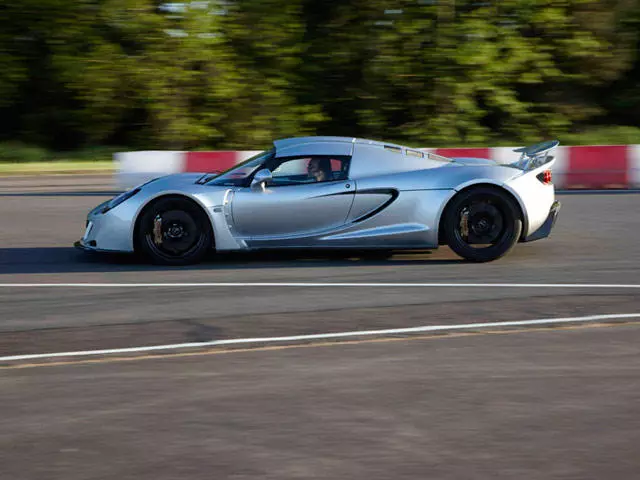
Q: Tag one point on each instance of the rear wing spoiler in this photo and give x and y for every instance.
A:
(535, 156)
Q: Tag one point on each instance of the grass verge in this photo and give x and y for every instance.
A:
(57, 168)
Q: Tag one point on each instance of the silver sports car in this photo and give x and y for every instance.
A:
(334, 192)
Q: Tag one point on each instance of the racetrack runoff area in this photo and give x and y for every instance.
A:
(548, 404)
(534, 401)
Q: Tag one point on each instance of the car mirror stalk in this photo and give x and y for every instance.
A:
(261, 179)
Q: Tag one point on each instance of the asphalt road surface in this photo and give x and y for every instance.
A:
(558, 402)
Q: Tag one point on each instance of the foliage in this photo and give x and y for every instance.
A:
(16, 152)
(239, 74)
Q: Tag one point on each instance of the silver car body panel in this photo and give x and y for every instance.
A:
(302, 209)
(394, 197)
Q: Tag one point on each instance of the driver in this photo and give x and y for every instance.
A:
(319, 169)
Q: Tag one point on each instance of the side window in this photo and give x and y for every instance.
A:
(314, 169)
(290, 171)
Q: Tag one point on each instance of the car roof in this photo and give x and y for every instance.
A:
(286, 143)
(289, 142)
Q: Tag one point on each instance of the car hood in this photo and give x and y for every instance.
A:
(189, 177)
(181, 182)
(176, 180)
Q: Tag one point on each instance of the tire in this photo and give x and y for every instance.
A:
(174, 231)
(482, 224)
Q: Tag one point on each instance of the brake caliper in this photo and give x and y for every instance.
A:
(464, 223)
(157, 230)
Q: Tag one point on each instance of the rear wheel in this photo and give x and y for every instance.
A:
(482, 224)
(174, 231)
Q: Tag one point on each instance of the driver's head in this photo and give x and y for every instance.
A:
(320, 169)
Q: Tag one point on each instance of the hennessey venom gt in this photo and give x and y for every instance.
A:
(334, 192)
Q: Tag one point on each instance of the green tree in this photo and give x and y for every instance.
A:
(36, 106)
(267, 39)
(115, 70)
(169, 80)
(238, 74)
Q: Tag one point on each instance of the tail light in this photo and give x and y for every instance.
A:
(544, 177)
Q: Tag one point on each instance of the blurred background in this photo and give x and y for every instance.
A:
(82, 79)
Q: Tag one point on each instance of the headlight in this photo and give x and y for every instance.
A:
(123, 197)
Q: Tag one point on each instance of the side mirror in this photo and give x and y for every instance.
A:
(260, 179)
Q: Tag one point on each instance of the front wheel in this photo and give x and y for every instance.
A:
(174, 231)
(482, 224)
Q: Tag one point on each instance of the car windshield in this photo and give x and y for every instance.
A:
(237, 176)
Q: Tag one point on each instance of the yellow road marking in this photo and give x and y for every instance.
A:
(220, 351)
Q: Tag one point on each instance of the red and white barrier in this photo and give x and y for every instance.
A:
(577, 167)
(134, 168)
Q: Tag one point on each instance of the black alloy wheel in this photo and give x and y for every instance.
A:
(174, 231)
(482, 224)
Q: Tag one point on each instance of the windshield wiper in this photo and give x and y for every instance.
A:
(207, 177)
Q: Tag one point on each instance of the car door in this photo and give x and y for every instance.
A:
(293, 204)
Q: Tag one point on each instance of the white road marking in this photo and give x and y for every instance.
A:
(323, 336)
(318, 285)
